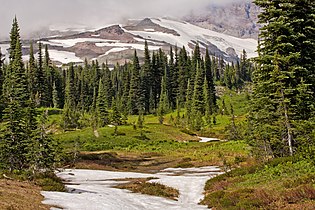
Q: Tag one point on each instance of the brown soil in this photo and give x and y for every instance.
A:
(16, 195)
(148, 163)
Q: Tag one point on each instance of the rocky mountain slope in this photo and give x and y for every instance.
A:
(117, 43)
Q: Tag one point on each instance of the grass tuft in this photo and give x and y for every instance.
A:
(148, 188)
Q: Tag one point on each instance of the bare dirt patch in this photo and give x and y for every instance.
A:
(20, 195)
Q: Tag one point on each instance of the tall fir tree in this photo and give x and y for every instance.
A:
(101, 106)
(198, 101)
(70, 116)
(280, 73)
(31, 72)
(2, 75)
(147, 78)
(212, 101)
(15, 140)
(39, 80)
(49, 79)
(134, 86)
(183, 76)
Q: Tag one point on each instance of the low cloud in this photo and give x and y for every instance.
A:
(34, 14)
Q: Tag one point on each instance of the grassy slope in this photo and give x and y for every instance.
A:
(280, 184)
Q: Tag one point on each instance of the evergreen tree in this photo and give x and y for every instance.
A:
(164, 102)
(196, 60)
(14, 38)
(31, 73)
(210, 83)
(183, 75)
(198, 101)
(70, 115)
(126, 86)
(39, 80)
(189, 101)
(101, 106)
(146, 78)
(134, 86)
(1, 86)
(173, 83)
(14, 142)
(107, 86)
(207, 101)
(49, 79)
(279, 75)
(116, 118)
(44, 150)
(55, 97)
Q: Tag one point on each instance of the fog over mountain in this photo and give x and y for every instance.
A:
(34, 15)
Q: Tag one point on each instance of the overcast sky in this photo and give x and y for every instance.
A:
(35, 14)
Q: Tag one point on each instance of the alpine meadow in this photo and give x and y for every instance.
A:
(214, 108)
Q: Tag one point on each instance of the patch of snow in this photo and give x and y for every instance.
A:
(96, 35)
(5, 51)
(64, 56)
(116, 49)
(93, 189)
(72, 42)
(205, 139)
(52, 43)
(149, 29)
(139, 39)
(126, 45)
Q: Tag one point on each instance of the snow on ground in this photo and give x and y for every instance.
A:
(149, 29)
(205, 139)
(129, 45)
(189, 32)
(72, 42)
(5, 50)
(116, 49)
(64, 56)
(93, 189)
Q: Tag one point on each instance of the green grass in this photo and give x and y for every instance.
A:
(286, 183)
(161, 140)
(155, 189)
(164, 140)
(48, 181)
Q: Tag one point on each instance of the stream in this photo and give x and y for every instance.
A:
(93, 190)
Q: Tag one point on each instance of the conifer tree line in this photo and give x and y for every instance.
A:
(282, 112)
(161, 84)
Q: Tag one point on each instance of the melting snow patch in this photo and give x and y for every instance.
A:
(64, 56)
(93, 189)
(149, 29)
(205, 139)
(116, 49)
(126, 45)
(72, 42)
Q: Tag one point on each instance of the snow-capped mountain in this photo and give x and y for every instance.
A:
(117, 43)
